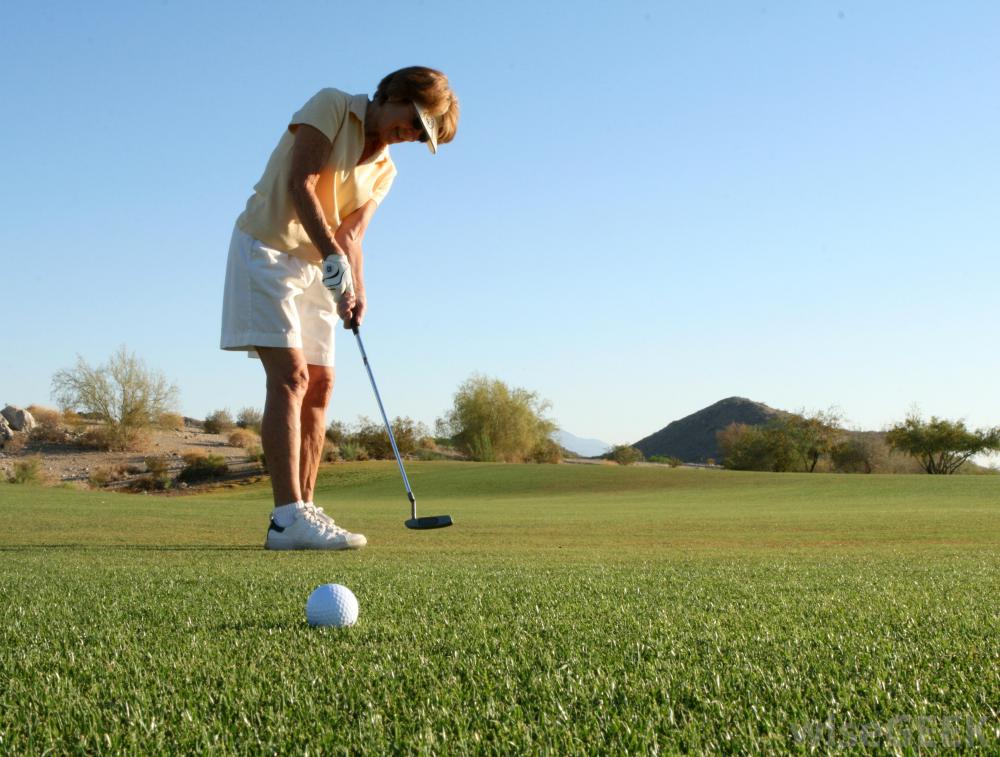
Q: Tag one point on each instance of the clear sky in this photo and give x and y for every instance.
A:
(648, 207)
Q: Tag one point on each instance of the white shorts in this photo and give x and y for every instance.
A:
(273, 299)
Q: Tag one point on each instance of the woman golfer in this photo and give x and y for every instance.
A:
(296, 266)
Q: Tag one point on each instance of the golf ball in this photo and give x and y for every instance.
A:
(332, 605)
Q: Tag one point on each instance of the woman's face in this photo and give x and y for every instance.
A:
(398, 122)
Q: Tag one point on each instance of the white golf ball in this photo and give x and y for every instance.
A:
(332, 605)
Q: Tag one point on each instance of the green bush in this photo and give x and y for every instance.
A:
(200, 467)
(480, 447)
(492, 421)
(219, 422)
(351, 451)
(375, 440)
(759, 448)
(623, 454)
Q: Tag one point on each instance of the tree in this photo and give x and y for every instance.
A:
(941, 446)
(492, 421)
(810, 435)
(123, 393)
(853, 456)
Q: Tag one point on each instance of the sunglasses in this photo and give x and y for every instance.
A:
(418, 125)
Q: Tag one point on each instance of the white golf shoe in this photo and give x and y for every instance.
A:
(312, 529)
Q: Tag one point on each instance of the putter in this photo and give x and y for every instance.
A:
(428, 521)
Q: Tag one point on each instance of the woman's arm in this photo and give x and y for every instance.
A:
(309, 155)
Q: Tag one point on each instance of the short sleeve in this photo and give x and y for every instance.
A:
(326, 111)
(383, 184)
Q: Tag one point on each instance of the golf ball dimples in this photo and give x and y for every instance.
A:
(332, 605)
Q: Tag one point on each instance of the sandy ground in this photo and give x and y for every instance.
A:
(67, 463)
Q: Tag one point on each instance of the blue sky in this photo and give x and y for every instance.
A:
(648, 207)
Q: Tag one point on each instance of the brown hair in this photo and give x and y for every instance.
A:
(428, 87)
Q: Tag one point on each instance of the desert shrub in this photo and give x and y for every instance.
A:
(243, 438)
(157, 465)
(99, 477)
(157, 477)
(492, 421)
(351, 451)
(105, 475)
(123, 393)
(49, 426)
(331, 452)
(43, 433)
(28, 471)
(623, 454)
(171, 421)
(427, 442)
(219, 422)
(375, 439)
(249, 418)
(199, 467)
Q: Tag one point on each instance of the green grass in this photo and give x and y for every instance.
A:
(570, 609)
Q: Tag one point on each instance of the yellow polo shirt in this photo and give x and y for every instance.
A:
(343, 185)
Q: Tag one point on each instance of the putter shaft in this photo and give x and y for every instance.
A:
(388, 426)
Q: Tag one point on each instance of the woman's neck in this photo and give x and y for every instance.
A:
(373, 145)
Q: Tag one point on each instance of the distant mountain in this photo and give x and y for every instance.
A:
(692, 438)
(582, 447)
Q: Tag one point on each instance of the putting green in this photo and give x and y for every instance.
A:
(571, 608)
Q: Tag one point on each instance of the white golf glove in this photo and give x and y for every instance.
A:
(337, 276)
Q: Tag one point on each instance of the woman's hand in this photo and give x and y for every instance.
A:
(351, 309)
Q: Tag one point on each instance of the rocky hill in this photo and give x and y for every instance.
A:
(692, 438)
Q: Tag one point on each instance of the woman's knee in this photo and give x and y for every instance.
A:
(320, 386)
(291, 381)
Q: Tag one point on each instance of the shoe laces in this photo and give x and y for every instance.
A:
(316, 515)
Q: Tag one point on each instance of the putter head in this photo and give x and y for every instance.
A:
(429, 521)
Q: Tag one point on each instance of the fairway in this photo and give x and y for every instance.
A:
(572, 608)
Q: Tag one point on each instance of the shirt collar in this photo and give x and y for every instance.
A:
(358, 106)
